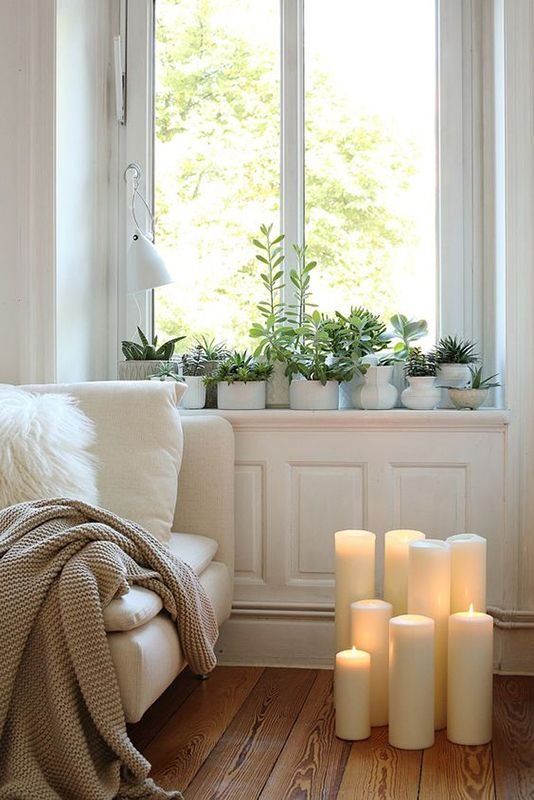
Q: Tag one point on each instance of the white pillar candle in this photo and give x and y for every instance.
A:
(396, 568)
(429, 593)
(352, 694)
(470, 691)
(468, 572)
(355, 577)
(369, 621)
(411, 682)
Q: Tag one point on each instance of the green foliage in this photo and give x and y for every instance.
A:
(149, 351)
(419, 364)
(240, 367)
(210, 349)
(455, 350)
(194, 361)
(356, 335)
(167, 371)
(478, 382)
(308, 352)
(406, 331)
(271, 310)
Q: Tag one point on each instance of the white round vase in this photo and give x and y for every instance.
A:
(455, 375)
(377, 391)
(422, 393)
(468, 398)
(313, 395)
(241, 396)
(195, 397)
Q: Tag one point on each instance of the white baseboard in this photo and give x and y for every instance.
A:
(279, 636)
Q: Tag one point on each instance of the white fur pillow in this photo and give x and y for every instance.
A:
(44, 448)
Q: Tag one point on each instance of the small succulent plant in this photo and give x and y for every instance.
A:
(210, 349)
(167, 371)
(149, 351)
(194, 361)
(478, 382)
(454, 350)
(240, 367)
(419, 364)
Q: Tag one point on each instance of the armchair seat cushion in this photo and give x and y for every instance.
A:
(141, 605)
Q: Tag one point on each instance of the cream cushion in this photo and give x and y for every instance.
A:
(140, 605)
(139, 446)
(148, 659)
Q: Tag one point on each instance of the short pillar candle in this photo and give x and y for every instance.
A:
(396, 567)
(411, 682)
(352, 694)
(470, 676)
(370, 632)
(468, 572)
(355, 577)
(429, 593)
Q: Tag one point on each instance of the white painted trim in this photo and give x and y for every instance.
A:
(349, 419)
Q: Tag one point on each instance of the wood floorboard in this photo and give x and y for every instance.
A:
(240, 764)
(311, 765)
(185, 742)
(250, 733)
(377, 771)
(513, 738)
(453, 772)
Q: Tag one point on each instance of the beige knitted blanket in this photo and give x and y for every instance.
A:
(62, 727)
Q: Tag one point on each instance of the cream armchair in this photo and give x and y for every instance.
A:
(132, 421)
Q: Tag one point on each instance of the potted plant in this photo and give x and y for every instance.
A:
(453, 357)
(166, 372)
(475, 393)
(422, 392)
(404, 332)
(213, 353)
(359, 336)
(241, 382)
(268, 330)
(193, 371)
(144, 357)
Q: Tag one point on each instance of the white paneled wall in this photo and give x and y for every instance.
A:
(302, 475)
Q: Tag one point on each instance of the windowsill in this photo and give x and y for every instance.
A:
(399, 418)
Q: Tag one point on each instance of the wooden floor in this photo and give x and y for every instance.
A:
(249, 732)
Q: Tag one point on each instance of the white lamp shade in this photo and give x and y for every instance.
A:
(146, 267)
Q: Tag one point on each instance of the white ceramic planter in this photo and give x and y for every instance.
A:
(138, 370)
(422, 393)
(278, 387)
(241, 396)
(468, 398)
(377, 391)
(456, 375)
(313, 395)
(195, 396)
(346, 389)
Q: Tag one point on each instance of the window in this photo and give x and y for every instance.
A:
(322, 119)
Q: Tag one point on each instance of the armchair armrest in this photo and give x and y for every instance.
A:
(205, 503)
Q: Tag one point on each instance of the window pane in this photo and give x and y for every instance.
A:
(370, 154)
(217, 157)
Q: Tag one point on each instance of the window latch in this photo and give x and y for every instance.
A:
(120, 81)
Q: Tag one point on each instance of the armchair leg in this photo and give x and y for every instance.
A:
(202, 677)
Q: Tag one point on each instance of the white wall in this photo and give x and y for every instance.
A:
(85, 133)
(58, 142)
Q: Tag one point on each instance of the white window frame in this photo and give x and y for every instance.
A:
(465, 264)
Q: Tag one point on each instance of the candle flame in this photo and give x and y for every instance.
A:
(471, 609)
(353, 648)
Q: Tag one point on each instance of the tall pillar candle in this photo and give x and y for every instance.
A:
(370, 632)
(470, 678)
(411, 682)
(355, 577)
(429, 593)
(352, 694)
(468, 572)
(396, 567)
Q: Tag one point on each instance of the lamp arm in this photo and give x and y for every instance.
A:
(136, 169)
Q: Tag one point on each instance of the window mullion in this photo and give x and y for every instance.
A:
(292, 126)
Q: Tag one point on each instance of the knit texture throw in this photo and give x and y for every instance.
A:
(62, 727)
